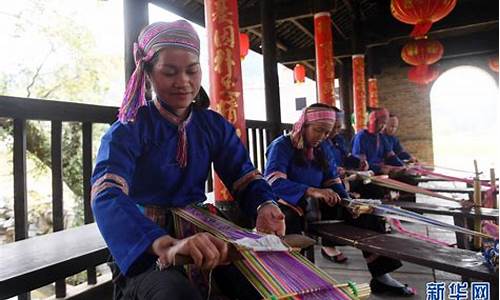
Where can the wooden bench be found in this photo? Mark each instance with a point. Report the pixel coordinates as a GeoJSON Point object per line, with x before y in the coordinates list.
{"type": "Point", "coordinates": [32, 263]}
{"type": "Point", "coordinates": [458, 261]}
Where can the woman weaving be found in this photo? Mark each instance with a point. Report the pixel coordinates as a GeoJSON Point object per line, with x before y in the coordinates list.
{"type": "Point", "coordinates": [301, 170]}
{"type": "Point", "coordinates": [157, 156]}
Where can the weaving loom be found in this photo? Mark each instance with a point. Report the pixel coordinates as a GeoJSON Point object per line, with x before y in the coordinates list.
{"type": "Point", "coordinates": [375, 207]}
{"type": "Point", "coordinates": [274, 274]}
{"type": "Point", "coordinates": [383, 180]}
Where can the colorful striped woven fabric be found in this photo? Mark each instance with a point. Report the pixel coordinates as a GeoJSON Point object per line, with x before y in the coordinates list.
{"type": "Point", "coordinates": [275, 274]}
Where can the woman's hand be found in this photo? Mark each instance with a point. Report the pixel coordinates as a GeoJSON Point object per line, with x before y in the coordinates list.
{"type": "Point", "coordinates": [327, 195]}
{"type": "Point", "coordinates": [341, 172]}
{"type": "Point", "coordinates": [363, 165]}
{"type": "Point", "coordinates": [270, 220]}
{"type": "Point", "coordinates": [206, 250]}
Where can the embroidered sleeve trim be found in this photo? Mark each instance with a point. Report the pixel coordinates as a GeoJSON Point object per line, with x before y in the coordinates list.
{"type": "Point", "coordinates": [271, 178]}
{"type": "Point", "coordinates": [106, 181]}
{"type": "Point", "coordinates": [244, 180]}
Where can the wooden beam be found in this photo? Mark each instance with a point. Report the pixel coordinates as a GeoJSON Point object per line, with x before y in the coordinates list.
{"type": "Point", "coordinates": [279, 44]}
{"type": "Point", "coordinates": [475, 44]}
{"type": "Point", "coordinates": [468, 45]}
{"type": "Point", "coordinates": [345, 81]}
{"type": "Point", "coordinates": [302, 28]}
{"type": "Point", "coordinates": [340, 50]}
{"type": "Point", "coordinates": [250, 17]}
{"type": "Point", "coordinates": [342, 34]}
{"type": "Point", "coordinates": [483, 41]}
{"type": "Point", "coordinates": [273, 111]}
{"type": "Point", "coordinates": [48, 110]}
{"type": "Point", "coordinates": [348, 5]}
{"type": "Point", "coordinates": [135, 17]}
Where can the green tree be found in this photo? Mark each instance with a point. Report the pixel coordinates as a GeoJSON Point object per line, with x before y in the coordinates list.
{"type": "Point", "coordinates": [62, 64]}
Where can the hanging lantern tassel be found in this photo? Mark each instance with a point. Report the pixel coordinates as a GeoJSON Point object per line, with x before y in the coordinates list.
{"type": "Point", "coordinates": [493, 64]}
{"type": "Point", "coordinates": [244, 45]}
{"type": "Point", "coordinates": [421, 13]}
{"type": "Point", "coordinates": [299, 73]}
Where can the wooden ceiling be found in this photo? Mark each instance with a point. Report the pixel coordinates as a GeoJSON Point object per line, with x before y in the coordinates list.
{"type": "Point", "coordinates": [359, 26]}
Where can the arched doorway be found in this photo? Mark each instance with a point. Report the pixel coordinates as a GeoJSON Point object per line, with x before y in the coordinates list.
{"type": "Point", "coordinates": [465, 119]}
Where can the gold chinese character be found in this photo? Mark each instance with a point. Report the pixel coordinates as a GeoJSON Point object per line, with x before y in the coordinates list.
{"type": "Point", "coordinates": [221, 13]}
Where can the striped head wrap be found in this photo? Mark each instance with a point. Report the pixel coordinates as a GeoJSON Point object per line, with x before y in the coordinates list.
{"type": "Point", "coordinates": [152, 39]}
{"type": "Point", "coordinates": [310, 115]}
{"type": "Point", "coordinates": [374, 116]}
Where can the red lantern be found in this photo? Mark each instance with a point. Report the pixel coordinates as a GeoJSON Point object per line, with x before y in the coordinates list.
{"type": "Point", "coordinates": [422, 52]}
{"type": "Point", "coordinates": [423, 75]}
{"type": "Point", "coordinates": [493, 64]}
{"type": "Point", "coordinates": [299, 73]}
{"type": "Point", "coordinates": [244, 45]}
{"type": "Point", "coordinates": [421, 13]}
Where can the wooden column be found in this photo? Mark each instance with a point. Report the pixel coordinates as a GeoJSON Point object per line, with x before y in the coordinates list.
{"type": "Point", "coordinates": [57, 191]}
{"type": "Point", "coordinates": [359, 91]}
{"type": "Point", "coordinates": [135, 17]}
{"type": "Point", "coordinates": [372, 69]}
{"type": "Point", "coordinates": [345, 80]}
{"type": "Point", "coordinates": [372, 92]}
{"type": "Point", "coordinates": [226, 93]}
{"type": "Point", "coordinates": [20, 193]}
{"type": "Point", "coordinates": [358, 70]}
{"type": "Point", "coordinates": [273, 111]}
{"type": "Point", "coordinates": [325, 69]}
{"type": "Point", "coordinates": [87, 174]}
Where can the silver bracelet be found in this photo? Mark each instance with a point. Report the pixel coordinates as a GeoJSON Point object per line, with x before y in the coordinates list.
{"type": "Point", "coordinates": [161, 266]}
{"type": "Point", "coordinates": [266, 203]}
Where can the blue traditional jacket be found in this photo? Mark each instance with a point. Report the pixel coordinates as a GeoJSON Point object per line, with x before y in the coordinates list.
{"type": "Point", "coordinates": [136, 166]}
{"type": "Point", "coordinates": [290, 179]}
{"type": "Point", "coordinates": [340, 149]}
{"type": "Point", "coordinates": [397, 147]}
{"type": "Point", "coordinates": [375, 149]}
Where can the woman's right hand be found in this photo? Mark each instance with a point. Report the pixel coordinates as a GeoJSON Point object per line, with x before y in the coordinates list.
{"type": "Point", "coordinates": [364, 165]}
{"type": "Point", "coordinates": [206, 250]}
{"type": "Point", "coordinates": [327, 195]}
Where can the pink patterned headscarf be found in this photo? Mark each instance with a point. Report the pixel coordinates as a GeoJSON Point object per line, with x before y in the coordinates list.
{"type": "Point", "coordinates": [374, 116]}
{"type": "Point", "coordinates": [310, 115]}
{"type": "Point", "coordinates": [152, 39]}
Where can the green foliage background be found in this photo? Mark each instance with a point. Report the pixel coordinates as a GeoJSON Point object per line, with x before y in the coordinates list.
{"type": "Point", "coordinates": [64, 63]}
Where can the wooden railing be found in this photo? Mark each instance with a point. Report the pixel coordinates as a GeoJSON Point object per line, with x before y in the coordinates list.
{"type": "Point", "coordinates": [21, 110]}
